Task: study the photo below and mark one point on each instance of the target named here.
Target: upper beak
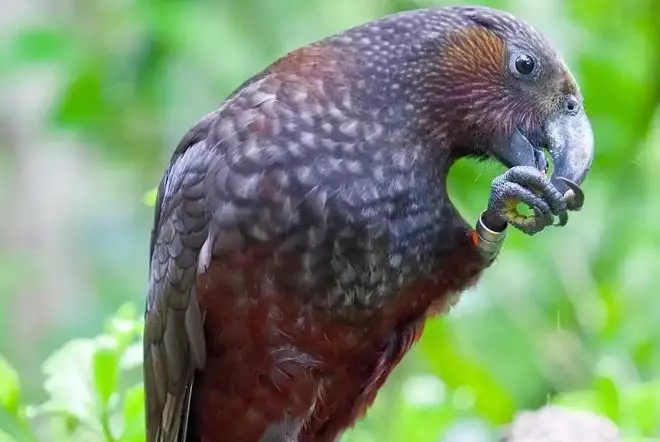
(570, 142)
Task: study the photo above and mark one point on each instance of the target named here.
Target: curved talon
(541, 220)
(574, 196)
(563, 219)
(541, 216)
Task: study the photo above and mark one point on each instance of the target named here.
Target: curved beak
(570, 142)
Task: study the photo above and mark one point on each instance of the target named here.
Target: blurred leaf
(125, 326)
(40, 44)
(642, 408)
(581, 400)
(84, 102)
(6, 437)
(132, 356)
(424, 410)
(84, 383)
(150, 197)
(133, 414)
(69, 385)
(106, 369)
(459, 371)
(9, 387)
(13, 423)
(608, 397)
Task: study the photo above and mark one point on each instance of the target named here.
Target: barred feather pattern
(303, 231)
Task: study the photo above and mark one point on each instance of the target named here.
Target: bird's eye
(524, 64)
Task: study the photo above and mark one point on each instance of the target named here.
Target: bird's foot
(529, 186)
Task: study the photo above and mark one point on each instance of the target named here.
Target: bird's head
(505, 93)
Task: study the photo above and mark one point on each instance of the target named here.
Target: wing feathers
(174, 343)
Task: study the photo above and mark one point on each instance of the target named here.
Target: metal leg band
(488, 241)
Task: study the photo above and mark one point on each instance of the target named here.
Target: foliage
(568, 316)
(92, 395)
(93, 387)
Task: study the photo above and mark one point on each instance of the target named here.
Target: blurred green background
(94, 96)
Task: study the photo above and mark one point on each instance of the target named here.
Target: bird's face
(515, 96)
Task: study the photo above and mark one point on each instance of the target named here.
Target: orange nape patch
(475, 51)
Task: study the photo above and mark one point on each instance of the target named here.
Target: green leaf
(84, 102)
(69, 383)
(608, 397)
(13, 422)
(133, 414)
(106, 369)
(9, 387)
(125, 326)
(40, 44)
(150, 197)
(642, 407)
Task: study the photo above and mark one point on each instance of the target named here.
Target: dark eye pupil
(525, 64)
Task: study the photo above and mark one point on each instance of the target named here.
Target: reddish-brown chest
(277, 364)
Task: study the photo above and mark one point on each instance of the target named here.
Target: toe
(506, 196)
(538, 182)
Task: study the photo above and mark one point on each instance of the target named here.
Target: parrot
(303, 231)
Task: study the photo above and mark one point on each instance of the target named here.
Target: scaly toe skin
(506, 195)
(537, 182)
(530, 225)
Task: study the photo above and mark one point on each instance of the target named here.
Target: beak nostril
(571, 104)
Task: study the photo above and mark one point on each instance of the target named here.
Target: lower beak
(570, 142)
